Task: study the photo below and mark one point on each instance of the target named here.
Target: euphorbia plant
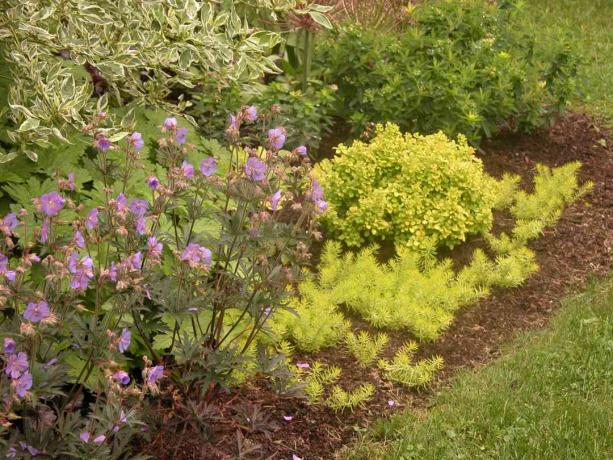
(179, 267)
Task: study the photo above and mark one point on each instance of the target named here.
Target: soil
(248, 422)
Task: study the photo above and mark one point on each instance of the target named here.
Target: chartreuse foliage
(341, 399)
(317, 379)
(533, 212)
(415, 291)
(460, 66)
(312, 321)
(548, 397)
(408, 189)
(320, 377)
(365, 348)
(401, 369)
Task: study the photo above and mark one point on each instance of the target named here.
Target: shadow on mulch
(580, 245)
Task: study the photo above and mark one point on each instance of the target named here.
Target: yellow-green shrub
(412, 292)
(406, 188)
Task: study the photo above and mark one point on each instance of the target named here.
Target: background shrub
(467, 66)
(408, 189)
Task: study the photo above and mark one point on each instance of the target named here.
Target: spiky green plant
(341, 399)
(365, 348)
(402, 369)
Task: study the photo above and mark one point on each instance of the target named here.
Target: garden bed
(250, 423)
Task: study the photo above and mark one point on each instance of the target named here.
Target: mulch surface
(248, 422)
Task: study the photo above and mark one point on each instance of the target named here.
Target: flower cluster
(89, 280)
(17, 368)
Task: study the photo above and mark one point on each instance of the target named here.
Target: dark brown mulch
(580, 245)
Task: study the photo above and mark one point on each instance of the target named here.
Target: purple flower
(153, 182)
(52, 203)
(84, 436)
(52, 362)
(121, 204)
(195, 254)
(295, 457)
(113, 272)
(276, 137)
(251, 113)
(274, 200)
(11, 452)
(139, 207)
(122, 419)
(169, 124)
(124, 340)
(390, 403)
(9, 223)
(322, 205)
(122, 377)
(9, 345)
(36, 311)
(91, 221)
(79, 240)
(16, 364)
(44, 231)
(302, 365)
(136, 260)
(136, 141)
(71, 185)
(154, 247)
(102, 144)
(82, 271)
(181, 136)
(140, 225)
(208, 166)
(255, 169)
(34, 258)
(316, 192)
(22, 384)
(154, 374)
(4, 271)
(301, 150)
(232, 123)
(187, 170)
(99, 439)
(288, 418)
(32, 450)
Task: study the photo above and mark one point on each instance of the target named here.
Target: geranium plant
(147, 275)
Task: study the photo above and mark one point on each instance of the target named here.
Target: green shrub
(407, 189)
(365, 348)
(306, 114)
(461, 66)
(403, 370)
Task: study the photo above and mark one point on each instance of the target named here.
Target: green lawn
(549, 397)
(588, 22)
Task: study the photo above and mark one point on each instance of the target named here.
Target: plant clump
(406, 189)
